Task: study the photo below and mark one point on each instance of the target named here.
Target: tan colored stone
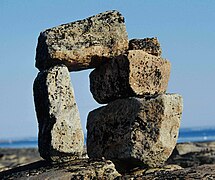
(135, 73)
(83, 44)
(149, 45)
(60, 134)
(135, 132)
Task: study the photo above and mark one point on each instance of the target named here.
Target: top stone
(149, 45)
(83, 44)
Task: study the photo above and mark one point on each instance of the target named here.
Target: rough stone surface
(12, 157)
(83, 44)
(78, 169)
(135, 131)
(149, 45)
(135, 73)
(193, 154)
(60, 133)
(88, 170)
(205, 172)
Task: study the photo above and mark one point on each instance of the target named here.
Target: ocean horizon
(196, 134)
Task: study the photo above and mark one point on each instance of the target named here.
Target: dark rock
(76, 169)
(103, 169)
(149, 45)
(135, 132)
(204, 172)
(82, 44)
(193, 154)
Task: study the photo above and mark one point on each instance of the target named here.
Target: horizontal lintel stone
(83, 44)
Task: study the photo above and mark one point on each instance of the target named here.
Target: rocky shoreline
(188, 161)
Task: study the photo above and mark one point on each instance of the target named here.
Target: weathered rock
(135, 73)
(60, 133)
(76, 169)
(12, 157)
(88, 170)
(193, 154)
(149, 45)
(205, 172)
(83, 44)
(135, 131)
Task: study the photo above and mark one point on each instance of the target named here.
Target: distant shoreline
(195, 134)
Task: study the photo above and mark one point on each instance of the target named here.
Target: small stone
(135, 73)
(149, 45)
(135, 132)
(60, 134)
(83, 44)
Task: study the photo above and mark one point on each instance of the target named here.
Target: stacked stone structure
(139, 125)
(70, 47)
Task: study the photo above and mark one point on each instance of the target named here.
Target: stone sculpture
(139, 125)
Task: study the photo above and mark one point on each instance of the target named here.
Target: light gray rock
(83, 44)
(149, 45)
(135, 131)
(135, 73)
(60, 133)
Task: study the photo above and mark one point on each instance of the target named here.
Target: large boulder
(83, 44)
(135, 73)
(60, 134)
(149, 45)
(135, 131)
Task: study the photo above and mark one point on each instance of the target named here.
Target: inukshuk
(138, 127)
(70, 47)
(140, 124)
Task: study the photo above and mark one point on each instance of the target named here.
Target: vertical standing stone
(60, 133)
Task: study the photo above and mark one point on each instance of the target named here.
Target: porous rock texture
(135, 73)
(60, 134)
(135, 131)
(76, 169)
(83, 44)
(149, 45)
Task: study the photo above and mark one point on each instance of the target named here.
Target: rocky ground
(188, 161)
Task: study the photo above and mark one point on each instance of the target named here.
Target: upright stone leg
(60, 134)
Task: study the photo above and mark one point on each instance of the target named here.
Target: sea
(185, 135)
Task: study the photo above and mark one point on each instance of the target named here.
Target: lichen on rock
(135, 131)
(82, 44)
(135, 73)
(149, 45)
(60, 134)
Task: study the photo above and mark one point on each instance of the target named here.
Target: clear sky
(185, 29)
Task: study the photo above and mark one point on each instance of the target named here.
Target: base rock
(60, 133)
(135, 132)
(104, 169)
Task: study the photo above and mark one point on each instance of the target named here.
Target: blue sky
(185, 29)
